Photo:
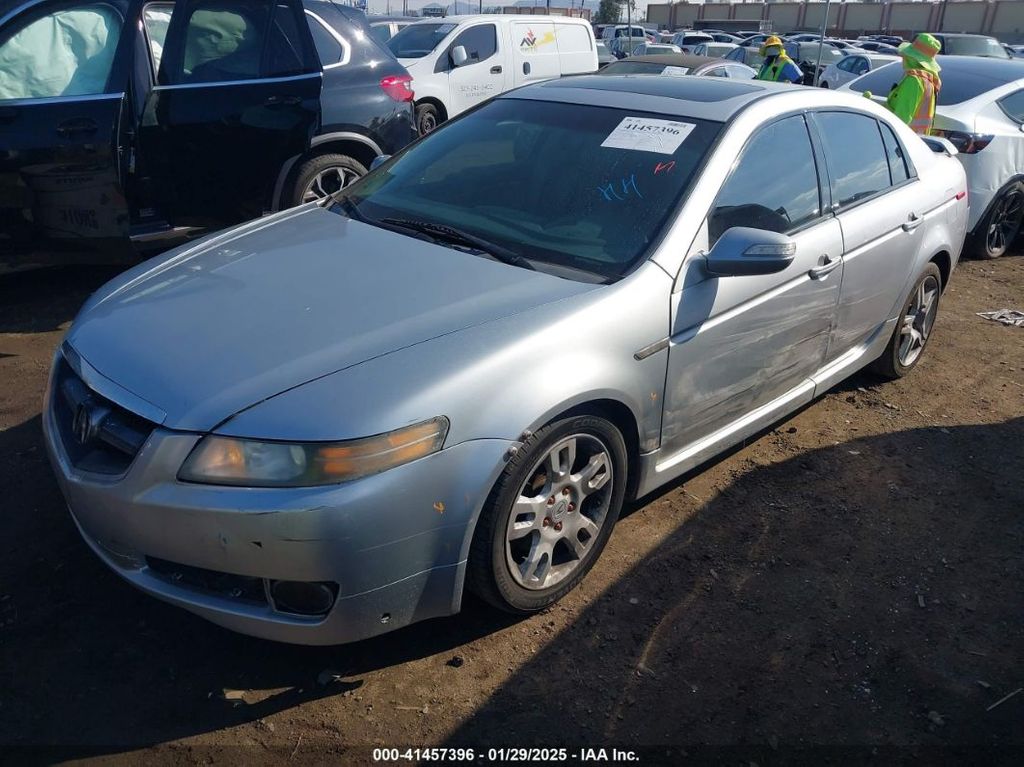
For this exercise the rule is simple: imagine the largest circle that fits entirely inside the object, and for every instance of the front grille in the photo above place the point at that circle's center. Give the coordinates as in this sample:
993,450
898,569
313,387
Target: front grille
239,587
98,435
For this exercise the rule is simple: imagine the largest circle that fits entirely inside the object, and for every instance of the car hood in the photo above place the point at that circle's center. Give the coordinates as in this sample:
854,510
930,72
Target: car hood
216,328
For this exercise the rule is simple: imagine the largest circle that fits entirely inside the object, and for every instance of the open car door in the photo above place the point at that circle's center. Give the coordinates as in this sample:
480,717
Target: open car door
236,99
63,73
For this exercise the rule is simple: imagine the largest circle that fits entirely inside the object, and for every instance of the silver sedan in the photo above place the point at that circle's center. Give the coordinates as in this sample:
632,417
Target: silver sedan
331,422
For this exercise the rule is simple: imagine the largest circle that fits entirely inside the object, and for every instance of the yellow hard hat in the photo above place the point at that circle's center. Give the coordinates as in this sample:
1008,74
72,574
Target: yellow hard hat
773,40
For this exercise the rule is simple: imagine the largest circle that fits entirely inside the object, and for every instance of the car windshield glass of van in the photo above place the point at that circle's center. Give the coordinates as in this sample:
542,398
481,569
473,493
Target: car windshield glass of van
417,40
578,191
974,46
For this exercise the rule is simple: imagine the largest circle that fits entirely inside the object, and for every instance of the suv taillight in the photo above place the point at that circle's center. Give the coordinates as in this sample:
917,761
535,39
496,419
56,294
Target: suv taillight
398,87
965,143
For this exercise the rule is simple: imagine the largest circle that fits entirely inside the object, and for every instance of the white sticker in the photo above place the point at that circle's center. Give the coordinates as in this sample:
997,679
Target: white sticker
444,29
675,71
642,134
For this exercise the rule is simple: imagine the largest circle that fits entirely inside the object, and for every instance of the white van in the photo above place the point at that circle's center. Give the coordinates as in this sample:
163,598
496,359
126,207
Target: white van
458,61
620,30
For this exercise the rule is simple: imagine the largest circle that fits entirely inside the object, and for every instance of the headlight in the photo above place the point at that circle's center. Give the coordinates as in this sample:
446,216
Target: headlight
232,461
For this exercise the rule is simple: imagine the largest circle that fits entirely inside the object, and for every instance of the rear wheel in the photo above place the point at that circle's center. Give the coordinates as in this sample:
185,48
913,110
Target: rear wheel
321,176
427,118
1000,227
550,515
911,335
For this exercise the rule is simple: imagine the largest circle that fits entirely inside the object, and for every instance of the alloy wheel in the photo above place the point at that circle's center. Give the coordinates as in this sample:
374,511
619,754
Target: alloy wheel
556,518
327,182
918,320
427,123
1005,223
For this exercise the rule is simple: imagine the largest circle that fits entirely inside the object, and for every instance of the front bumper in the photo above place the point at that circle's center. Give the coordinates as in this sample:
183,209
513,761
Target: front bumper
395,543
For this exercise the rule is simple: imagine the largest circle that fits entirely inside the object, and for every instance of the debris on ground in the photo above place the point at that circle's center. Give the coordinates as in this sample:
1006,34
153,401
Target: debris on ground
1010,317
1003,699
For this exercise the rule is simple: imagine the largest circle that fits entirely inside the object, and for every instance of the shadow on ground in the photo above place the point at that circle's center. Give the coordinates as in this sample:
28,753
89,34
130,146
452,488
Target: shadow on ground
788,607
43,299
866,593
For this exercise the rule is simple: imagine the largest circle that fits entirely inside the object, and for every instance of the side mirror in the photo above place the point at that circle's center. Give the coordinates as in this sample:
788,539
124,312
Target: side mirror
745,251
379,160
459,55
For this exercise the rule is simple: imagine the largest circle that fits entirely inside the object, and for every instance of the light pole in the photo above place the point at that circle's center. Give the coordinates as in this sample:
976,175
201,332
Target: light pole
821,43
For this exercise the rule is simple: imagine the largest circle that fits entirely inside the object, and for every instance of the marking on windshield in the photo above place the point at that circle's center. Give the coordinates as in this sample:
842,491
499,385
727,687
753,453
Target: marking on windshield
664,166
626,185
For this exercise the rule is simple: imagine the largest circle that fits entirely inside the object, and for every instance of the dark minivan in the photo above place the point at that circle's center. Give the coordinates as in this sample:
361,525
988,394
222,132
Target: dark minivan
142,122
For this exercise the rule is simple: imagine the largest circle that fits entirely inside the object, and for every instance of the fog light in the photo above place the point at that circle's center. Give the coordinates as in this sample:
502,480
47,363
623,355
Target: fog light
303,598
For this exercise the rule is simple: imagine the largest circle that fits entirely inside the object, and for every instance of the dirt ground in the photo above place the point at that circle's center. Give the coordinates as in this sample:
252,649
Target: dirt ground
852,578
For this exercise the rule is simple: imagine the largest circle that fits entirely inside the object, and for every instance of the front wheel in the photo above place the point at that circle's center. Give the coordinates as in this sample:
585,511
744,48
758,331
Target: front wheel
427,118
911,335
550,514
1001,225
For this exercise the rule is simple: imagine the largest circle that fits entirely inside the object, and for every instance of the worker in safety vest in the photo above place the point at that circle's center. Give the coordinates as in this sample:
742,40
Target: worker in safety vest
913,98
777,66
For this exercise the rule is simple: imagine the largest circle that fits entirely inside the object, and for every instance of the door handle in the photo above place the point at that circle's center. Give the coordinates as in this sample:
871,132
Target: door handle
75,125
526,67
496,70
282,101
912,223
827,265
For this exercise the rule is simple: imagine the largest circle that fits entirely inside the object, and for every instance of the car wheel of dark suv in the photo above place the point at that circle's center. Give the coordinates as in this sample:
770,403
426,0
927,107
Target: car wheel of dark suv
322,175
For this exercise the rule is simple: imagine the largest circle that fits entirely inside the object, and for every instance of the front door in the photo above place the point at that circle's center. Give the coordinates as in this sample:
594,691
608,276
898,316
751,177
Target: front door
63,74
742,343
236,97
483,75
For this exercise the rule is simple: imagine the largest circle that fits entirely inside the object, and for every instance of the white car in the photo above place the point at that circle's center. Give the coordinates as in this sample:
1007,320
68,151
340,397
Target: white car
458,62
714,50
851,67
981,112
655,49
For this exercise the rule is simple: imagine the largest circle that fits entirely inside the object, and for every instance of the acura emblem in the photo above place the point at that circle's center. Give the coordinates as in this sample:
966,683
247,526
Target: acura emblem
85,422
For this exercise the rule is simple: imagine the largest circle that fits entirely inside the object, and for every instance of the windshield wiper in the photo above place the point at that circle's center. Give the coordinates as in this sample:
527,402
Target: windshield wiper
445,233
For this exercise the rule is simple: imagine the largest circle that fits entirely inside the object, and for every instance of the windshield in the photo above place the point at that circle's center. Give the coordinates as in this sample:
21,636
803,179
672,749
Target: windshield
636,32
973,46
572,188
417,40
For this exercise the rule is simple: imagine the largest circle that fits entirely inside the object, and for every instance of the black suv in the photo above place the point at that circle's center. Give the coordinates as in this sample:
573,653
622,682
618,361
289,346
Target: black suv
135,122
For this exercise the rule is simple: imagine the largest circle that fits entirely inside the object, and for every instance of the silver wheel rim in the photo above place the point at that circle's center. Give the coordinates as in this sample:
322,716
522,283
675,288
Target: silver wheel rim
327,182
559,512
1006,221
918,320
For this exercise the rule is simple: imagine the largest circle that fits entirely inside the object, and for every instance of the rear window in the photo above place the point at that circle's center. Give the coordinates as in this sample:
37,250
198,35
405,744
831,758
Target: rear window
973,46
642,68
958,84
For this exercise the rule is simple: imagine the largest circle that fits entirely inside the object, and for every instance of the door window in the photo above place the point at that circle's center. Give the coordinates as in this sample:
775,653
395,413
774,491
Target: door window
857,162
285,47
156,17
898,170
860,65
716,72
68,52
480,42
739,73
774,185
846,64
223,41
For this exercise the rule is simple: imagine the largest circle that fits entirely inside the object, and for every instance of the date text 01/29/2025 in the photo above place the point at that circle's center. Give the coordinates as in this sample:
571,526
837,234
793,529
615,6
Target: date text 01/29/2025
504,754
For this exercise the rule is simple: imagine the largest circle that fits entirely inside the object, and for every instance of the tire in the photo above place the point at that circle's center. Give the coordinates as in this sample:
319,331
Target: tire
917,318
999,228
507,564
322,175
427,118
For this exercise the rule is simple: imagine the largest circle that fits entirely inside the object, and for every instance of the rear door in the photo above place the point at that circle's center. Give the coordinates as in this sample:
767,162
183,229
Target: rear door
237,95
63,73
534,51
875,194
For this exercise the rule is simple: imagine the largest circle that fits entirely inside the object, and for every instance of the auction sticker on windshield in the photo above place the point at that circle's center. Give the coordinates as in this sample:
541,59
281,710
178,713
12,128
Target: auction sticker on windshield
644,134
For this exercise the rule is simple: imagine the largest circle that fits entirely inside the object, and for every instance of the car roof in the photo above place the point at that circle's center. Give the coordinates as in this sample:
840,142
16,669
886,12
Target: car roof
704,98
678,60
998,69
